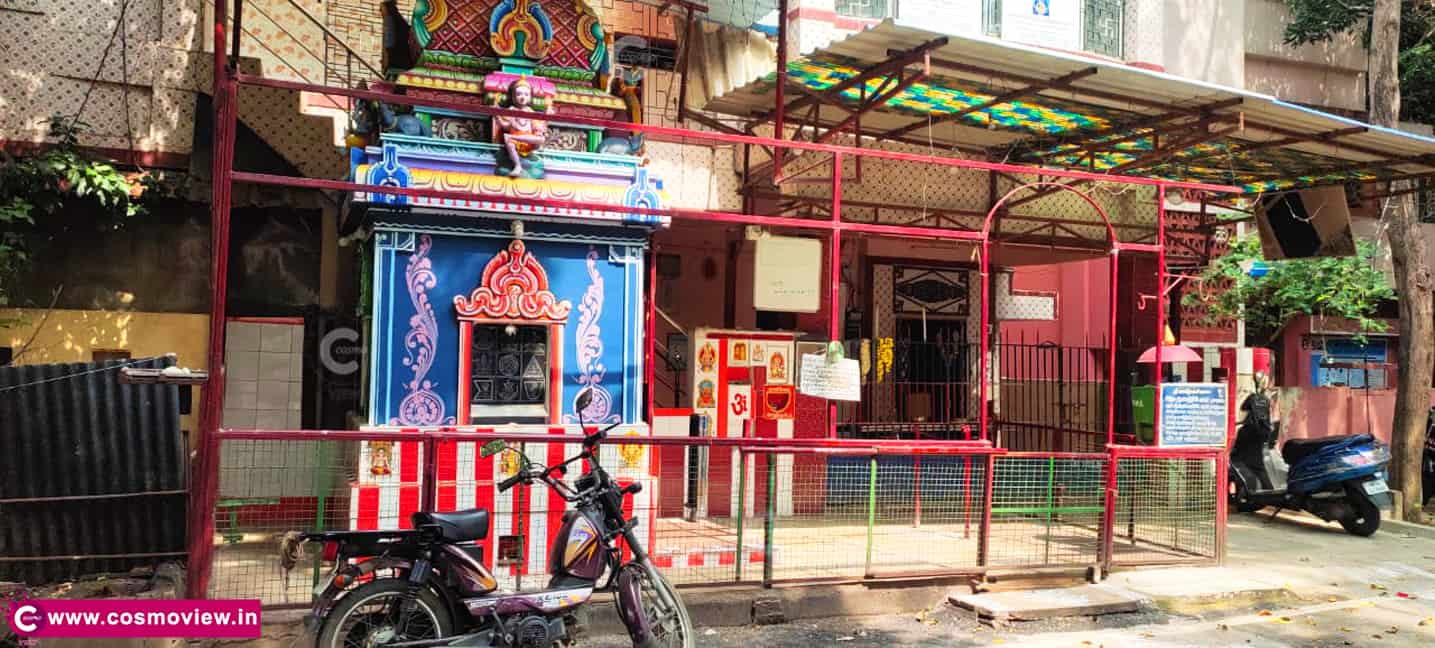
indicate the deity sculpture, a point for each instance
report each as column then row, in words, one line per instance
column 521, row 137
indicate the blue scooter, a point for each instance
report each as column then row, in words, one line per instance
column 1334, row 478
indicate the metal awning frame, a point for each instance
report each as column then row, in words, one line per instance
column 1164, row 135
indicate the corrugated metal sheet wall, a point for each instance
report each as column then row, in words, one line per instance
column 93, row 473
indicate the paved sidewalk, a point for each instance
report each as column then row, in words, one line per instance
column 1287, row 583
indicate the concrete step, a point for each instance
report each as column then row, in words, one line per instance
column 1031, row 605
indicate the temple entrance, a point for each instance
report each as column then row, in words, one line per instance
column 931, row 366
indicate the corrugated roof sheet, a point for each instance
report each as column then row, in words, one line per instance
column 95, row 474
column 1211, row 133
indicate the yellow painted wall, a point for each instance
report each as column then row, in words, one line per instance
column 72, row 336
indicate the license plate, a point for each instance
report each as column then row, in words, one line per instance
column 1375, row 487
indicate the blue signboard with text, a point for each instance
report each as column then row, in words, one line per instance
column 1193, row 415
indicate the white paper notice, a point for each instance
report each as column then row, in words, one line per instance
column 1047, row 23
column 839, row 380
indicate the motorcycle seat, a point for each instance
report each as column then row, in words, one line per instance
column 457, row 526
column 1295, row 450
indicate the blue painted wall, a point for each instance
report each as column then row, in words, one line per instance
column 414, row 373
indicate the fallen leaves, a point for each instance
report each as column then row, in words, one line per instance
column 1264, row 613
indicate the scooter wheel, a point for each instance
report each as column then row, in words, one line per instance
column 1366, row 518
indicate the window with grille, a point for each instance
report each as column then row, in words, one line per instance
column 1101, row 22
column 1101, row 26
column 509, row 373
column 652, row 53
column 874, row 9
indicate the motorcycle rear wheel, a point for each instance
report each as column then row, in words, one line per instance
column 1366, row 518
column 371, row 611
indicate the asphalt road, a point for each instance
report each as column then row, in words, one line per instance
column 1347, row 591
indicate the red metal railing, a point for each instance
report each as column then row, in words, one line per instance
column 225, row 89
column 796, row 510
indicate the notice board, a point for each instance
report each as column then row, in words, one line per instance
column 785, row 274
column 1193, row 415
column 838, row 380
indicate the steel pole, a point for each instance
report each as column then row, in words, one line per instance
column 223, row 91
column 834, row 275
column 1160, row 310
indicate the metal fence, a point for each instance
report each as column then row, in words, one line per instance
column 769, row 511
column 1051, row 398
column 1169, row 508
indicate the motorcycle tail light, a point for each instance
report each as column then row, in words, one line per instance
column 331, row 551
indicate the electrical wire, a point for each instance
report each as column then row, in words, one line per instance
column 100, row 67
column 73, row 375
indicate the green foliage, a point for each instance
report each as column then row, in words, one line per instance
column 45, row 195
column 1316, row 21
column 1349, row 287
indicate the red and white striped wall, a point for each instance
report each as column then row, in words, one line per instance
column 466, row 480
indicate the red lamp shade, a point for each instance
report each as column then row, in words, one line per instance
column 1170, row 353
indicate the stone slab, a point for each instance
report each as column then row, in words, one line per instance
column 1030, row 605
column 1194, row 583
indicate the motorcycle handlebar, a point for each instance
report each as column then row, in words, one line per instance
column 510, row 482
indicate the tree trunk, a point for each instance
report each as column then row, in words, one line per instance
column 1412, row 277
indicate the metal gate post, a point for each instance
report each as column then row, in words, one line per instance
column 767, row 525
column 742, row 458
column 225, row 93
column 871, row 510
column 1108, row 525
column 1050, row 504
column 984, row 536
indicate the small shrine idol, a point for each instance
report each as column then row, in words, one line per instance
column 521, row 137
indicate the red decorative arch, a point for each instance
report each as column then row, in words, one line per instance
column 984, row 363
column 514, row 286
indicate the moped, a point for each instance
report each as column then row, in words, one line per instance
column 428, row 586
column 1334, row 478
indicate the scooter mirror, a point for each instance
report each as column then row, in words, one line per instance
column 585, row 398
column 492, row 448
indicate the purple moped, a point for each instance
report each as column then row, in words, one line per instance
column 427, row 586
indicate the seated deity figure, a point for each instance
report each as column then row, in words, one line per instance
column 522, row 137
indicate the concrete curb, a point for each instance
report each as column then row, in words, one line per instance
column 714, row 607
column 1388, row 525
column 718, row 607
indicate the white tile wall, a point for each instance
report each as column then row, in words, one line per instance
column 265, row 390
column 265, row 375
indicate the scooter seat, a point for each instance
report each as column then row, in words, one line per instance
column 1295, row 450
column 458, row 526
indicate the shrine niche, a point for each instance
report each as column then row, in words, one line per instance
column 548, row 58
column 487, row 310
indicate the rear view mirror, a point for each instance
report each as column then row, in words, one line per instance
column 492, row 448
column 585, row 398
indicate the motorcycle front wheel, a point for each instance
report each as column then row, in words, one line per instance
column 667, row 616
column 373, row 615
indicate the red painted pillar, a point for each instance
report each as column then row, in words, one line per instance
column 834, row 274
column 201, row 520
